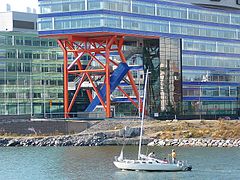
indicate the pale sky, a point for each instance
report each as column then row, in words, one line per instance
column 18, row 5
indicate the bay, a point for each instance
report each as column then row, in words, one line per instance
column 87, row 163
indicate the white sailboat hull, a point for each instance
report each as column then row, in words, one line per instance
column 141, row 165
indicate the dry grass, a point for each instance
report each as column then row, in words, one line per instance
column 194, row 129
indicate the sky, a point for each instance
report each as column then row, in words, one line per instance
column 18, row 5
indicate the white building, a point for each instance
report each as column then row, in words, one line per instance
column 18, row 21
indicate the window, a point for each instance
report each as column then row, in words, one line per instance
column 11, row 82
column 36, row 55
column 37, row 95
column 36, row 42
column 27, row 67
column 23, row 24
column 93, row 4
column 2, row 81
column 11, row 53
column 56, row 8
column 44, row 69
column 60, row 82
column 60, row 95
column 44, row 43
column 66, row 7
column 19, row 40
column 2, row 40
column 12, row 95
column 52, row 82
column 27, row 41
column 11, row 67
column 28, row 55
column 77, row 6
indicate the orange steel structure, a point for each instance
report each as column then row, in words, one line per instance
column 93, row 47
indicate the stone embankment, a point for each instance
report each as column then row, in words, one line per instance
column 74, row 140
column 101, row 139
column 124, row 136
column 196, row 142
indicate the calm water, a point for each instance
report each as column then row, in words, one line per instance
column 96, row 163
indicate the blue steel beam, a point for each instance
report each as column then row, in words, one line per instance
column 115, row 80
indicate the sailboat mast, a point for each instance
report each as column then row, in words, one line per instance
column 143, row 113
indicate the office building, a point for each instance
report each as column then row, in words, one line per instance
column 192, row 50
column 30, row 68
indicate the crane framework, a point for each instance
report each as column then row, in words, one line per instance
column 94, row 47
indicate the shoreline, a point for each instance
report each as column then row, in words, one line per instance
column 102, row 139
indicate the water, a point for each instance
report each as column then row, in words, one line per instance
column 43, row 163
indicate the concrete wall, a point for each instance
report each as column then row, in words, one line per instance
column 43, row 127
column 14, row 118
column 76, row 127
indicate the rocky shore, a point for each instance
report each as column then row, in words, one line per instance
column 102, row 139
column 68, row 140
column 127, row 136
column 196, row 142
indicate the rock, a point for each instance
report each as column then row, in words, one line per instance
column 215, row 145
column 111, row 134
column 13, row 142
column 181, row 144
column 228, row 141
column 129, row 132
column 56, row 142
column 161, row 143
column 153, row 143
column 3, row 142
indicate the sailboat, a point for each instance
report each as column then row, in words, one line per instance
column 147, row 163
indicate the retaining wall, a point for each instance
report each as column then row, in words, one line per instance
column 43, row 127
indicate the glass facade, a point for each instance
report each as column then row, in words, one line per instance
column 208, row 42
column 30, row 75
column 162, row 58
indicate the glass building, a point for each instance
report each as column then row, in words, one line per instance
column 197, row 51
column 30, row 75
